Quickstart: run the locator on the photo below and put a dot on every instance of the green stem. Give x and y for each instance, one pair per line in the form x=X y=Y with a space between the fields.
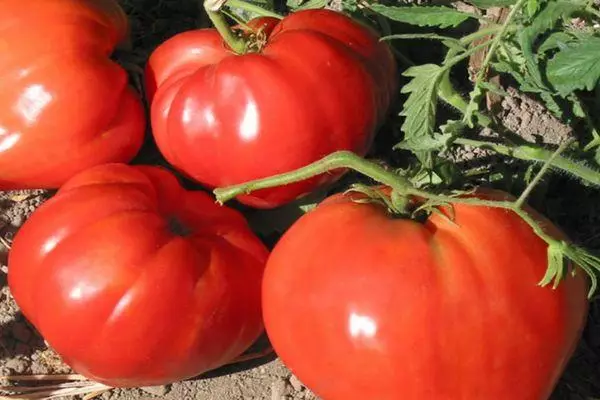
x=253 y=8
x=490 y=30
x=588 y=121
x=557 y=250
x=542 y=172
x=427 y=36
x=213 y=10
x=491 y=53
x=337 y=160
x=538 y=154
x=463 y=56
x=595 y=142
x=593 y=11
x=450 y=95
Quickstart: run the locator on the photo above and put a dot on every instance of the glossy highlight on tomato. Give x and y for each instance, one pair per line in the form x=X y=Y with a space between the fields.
x=321 y=82
x=135 y=281
x=64 y=105
x=386 y=308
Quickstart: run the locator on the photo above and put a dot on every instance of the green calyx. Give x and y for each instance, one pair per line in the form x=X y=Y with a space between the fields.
x=238 y=43
x=560 y=253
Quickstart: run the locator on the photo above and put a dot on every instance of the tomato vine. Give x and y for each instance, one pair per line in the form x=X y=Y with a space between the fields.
x=558 y=250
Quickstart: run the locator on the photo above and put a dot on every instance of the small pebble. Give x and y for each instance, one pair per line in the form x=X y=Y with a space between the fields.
x=278 y=390
x=156 y=390
x=16 y=365
x=296 y=384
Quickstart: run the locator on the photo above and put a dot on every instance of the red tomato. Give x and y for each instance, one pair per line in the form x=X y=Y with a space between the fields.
x=135 y=281
x=64 y=105
x=362 y=306
x=321 y=83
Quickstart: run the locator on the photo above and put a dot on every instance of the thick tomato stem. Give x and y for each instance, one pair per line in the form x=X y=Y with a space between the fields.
x=559 y=250
x=334 y=161
x=213 y=10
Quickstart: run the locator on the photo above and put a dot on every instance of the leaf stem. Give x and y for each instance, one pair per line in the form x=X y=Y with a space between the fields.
x=527 y=152
x=337 y=160
x=491 y=53
x=448 y=64
x=490 y=30
x=213 y=10
x=450 y=95
x=541 y=173
x=428 y=36
x=593 y=11
x=557 y=249
x=253 y=8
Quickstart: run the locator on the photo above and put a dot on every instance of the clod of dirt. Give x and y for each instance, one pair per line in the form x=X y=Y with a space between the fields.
x=530 y=120
x=156 y=390
x=279 y=390
x=296 y=384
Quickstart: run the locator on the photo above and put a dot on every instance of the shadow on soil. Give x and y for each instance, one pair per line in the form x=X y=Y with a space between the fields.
x=19 y=338
x=261 y=346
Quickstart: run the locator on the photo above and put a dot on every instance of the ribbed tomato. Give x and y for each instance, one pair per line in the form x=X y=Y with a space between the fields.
x=64 y=104
x=315 y=82
x=135 y=281
x=361 y=305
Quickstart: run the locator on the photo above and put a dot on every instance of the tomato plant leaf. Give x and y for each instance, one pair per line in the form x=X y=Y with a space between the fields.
x=435 y=16
x=575 y=67
x=556 y=40
x=420 y=107
x=543 y=22
x=311 y=4
x=492 y=3
x=533 y=6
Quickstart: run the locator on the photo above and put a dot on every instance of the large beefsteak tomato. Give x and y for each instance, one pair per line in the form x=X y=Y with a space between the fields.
x=64 y=105
x=135 y=281
x=391 y=309
x=321 y=82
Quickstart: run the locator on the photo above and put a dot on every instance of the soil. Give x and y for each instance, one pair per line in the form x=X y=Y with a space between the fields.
x=573 y=207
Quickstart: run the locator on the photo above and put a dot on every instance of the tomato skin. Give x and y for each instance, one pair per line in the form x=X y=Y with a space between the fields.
x=123 y=299
x=322 y=83
x=64 y=105
x=386 y=308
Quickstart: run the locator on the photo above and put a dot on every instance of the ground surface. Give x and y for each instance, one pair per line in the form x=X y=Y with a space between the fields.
x=575 y=208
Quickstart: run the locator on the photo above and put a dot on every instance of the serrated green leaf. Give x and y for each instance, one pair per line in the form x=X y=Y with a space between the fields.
x=350 y=5
x=576 y=67
x=312 y=4
x=494 y=88
x=492 y=3
x=436 y=142
x=533 y=6
x=433 y=16
x=552 y=105
x=420 y=106
x=473 y=105
x=543 y=22
x=453 y=127
x=556 y=40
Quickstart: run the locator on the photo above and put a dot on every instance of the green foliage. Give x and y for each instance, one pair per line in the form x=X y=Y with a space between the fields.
x=420 y=107
x=537 y=46
x=492 y=3
x=432 y=16
x=576 y=66
x=543 y=22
